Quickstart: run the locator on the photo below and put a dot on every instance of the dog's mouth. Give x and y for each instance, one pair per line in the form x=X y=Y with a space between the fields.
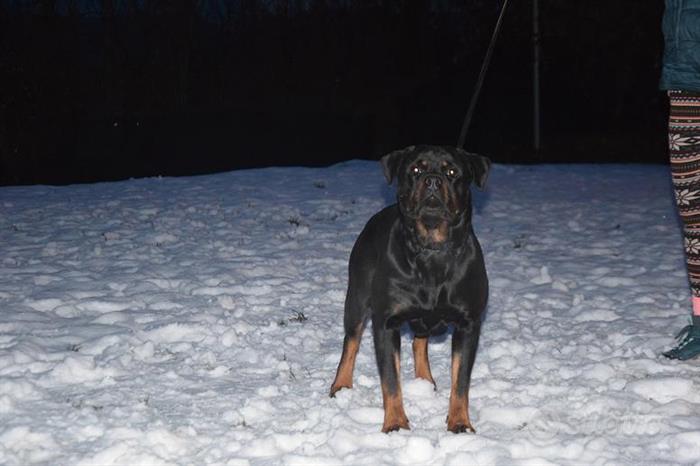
x=432 y=216
x=433 y=221
x=433 y=202
x=430 y=208
x=434 y=210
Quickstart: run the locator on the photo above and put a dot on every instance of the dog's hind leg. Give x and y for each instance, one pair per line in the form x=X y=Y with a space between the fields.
x=354 y=323
x=343 y=376
x=420 y=359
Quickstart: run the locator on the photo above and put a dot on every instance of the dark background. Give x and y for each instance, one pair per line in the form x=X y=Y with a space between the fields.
x=111 y=89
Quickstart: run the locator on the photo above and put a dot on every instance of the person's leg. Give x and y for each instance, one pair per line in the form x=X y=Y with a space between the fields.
x=684 y=152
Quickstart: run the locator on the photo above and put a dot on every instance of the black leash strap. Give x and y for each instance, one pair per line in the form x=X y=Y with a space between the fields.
x=480 y=81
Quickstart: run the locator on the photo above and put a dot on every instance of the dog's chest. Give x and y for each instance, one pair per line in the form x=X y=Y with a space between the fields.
x=428 y=308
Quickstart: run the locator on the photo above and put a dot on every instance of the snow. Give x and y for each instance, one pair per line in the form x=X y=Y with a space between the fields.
x=199 y=321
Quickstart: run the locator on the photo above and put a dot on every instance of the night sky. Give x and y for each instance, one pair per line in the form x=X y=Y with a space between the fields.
x=95 y=90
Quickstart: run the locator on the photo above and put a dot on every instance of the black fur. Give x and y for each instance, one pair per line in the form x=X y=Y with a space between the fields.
x=418 y=261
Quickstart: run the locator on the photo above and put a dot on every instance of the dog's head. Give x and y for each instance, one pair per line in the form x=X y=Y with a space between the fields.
x=433 y=188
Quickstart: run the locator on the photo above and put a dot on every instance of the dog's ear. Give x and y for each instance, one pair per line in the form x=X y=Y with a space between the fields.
x=392 y=161
x=479 y=166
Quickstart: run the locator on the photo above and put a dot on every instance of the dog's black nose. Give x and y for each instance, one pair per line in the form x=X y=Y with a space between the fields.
x=433 y=182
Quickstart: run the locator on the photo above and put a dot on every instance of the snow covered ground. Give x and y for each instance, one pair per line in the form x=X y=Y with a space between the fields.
x=198 y=321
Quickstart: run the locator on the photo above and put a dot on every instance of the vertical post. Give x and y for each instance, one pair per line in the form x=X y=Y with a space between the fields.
x=536 y=74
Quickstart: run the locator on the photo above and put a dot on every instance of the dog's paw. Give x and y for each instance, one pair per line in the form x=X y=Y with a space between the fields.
x=336 y=388
x=395 y=426
x=460 y=427
x=427 y=378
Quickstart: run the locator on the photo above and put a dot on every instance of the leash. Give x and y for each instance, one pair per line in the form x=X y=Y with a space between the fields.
x=480 y=81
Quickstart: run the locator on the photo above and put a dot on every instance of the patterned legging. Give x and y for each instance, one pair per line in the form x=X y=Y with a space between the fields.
x=684 y=150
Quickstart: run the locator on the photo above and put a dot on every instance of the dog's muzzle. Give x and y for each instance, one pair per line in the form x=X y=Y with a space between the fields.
x=431 y=196
x=432 y=182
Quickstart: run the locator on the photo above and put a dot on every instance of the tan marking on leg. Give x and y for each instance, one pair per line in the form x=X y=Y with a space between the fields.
x=458 y=412
x=394 y=415
x=343 y=377
x=420 y=358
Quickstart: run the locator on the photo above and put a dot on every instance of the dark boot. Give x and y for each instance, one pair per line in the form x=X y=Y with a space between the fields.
x=688 y=342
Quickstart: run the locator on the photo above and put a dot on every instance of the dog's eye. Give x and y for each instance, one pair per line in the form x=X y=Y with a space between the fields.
x=451 y=172
x=416 y=170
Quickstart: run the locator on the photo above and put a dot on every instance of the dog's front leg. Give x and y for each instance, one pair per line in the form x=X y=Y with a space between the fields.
x=387 y=345
x=465 y=340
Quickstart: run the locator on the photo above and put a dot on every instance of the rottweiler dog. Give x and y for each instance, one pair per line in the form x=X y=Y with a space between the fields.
x=418 y=261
